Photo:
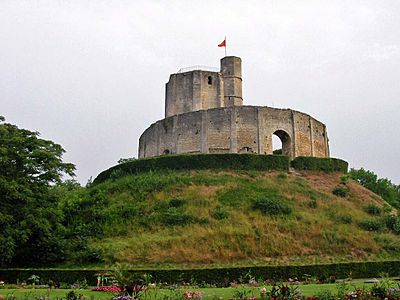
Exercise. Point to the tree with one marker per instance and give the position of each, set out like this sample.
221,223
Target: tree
29,218
381,186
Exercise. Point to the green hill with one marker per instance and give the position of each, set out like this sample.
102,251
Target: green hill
200,218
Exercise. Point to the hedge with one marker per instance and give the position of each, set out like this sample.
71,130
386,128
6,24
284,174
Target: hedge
320,164
197,162
217,276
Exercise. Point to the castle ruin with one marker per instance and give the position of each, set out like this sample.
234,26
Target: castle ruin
204,113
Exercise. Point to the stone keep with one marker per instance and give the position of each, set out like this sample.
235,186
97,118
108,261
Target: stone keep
202,90
204,113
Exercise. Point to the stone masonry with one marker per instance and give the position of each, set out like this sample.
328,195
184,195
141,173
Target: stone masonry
204,114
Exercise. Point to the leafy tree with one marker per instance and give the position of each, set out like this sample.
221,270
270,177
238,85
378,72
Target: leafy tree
83,216
29,218
381,186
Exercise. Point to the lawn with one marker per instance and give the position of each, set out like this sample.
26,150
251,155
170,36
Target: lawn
177,293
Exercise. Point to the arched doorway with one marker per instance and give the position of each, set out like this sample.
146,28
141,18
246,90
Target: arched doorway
281,143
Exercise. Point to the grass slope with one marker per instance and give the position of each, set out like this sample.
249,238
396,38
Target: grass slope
210,218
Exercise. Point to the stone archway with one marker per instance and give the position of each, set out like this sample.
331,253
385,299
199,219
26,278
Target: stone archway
286,142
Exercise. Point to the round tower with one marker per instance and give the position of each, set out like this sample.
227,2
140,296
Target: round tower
231,70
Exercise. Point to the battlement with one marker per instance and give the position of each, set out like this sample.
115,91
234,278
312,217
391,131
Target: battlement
198,68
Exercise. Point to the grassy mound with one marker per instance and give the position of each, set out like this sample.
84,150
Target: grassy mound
229,218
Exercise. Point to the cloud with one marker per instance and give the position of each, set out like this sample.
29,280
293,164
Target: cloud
90,75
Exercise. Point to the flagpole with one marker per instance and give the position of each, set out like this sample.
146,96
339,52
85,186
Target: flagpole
225,45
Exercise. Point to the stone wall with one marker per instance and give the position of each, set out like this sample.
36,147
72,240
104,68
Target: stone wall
238,129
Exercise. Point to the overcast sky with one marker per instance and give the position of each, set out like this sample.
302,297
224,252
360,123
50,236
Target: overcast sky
90,75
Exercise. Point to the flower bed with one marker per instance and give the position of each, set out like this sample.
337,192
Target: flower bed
109,288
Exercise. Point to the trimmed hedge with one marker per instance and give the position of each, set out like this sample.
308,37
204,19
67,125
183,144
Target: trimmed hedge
57,276
224,161
217,276
320,164
197,162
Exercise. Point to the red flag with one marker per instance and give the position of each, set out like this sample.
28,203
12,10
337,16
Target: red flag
223,44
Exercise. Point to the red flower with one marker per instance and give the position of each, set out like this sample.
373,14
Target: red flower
110,288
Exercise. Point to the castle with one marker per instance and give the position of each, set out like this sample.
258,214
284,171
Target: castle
204,113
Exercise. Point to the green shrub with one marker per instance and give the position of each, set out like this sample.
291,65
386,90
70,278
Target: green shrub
319,164
341,191
176,217
272,206
325,295
71,295
382,186
393,223
344,179
164,206
339,217
312,203
345,219
372,209
371,224
220,213
197,162
176,202
161,206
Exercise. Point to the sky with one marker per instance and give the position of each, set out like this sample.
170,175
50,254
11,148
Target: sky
90,75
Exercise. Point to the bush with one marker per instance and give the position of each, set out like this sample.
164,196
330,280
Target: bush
344,179
170,213
371,224
272,206
345,219
372,209
197,162
175,217
325,295
312,203
176,202
71,295
381,186
220,213
341,191
319,164
393,223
